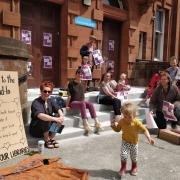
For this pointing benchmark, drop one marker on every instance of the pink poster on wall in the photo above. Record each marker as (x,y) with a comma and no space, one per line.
(47,62)
(26,36)
(47,39)
(111,45)
(110,64)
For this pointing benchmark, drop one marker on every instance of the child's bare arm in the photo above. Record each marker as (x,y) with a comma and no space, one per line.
(116,127)
(151,141)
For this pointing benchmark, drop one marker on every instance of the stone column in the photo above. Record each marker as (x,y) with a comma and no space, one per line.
(13,57)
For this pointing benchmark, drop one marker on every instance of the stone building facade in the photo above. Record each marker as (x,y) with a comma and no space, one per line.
(136,37)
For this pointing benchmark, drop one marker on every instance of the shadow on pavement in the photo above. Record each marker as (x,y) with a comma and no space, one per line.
(105,174)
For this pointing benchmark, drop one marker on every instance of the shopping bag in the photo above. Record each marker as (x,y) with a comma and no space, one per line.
(151,124)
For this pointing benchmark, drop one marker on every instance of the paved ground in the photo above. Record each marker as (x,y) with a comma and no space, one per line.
(99,155)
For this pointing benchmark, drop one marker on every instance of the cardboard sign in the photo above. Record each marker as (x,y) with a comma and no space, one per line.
(12,135)
(170,136)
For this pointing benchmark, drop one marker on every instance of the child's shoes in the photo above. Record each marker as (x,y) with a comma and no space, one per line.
(122,171)
(134,169)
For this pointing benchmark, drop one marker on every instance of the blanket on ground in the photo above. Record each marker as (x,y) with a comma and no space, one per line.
(38,167)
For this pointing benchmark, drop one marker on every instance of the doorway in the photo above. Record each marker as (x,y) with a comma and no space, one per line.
(40,30)
(111,45)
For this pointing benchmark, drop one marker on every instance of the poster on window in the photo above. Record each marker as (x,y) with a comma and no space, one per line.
(110,64)
(47,62)
(12,133)
(26,36)
(87,72)
(98,59)
(111,45)
(47,39)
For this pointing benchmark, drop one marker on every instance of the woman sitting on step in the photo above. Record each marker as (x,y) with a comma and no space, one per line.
(107,96)
(42,110)
(76,100)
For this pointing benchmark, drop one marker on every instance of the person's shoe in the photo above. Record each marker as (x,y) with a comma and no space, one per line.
(87,128)
(49,145)
(134,169)
(122,171)
(86,133)
(54,143)
(173,126)
(98,127)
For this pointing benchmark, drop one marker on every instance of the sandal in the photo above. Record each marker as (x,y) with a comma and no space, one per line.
(54,143)
(49,145)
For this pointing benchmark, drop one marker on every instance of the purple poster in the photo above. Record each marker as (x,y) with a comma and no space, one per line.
(26,36)
(97,57)
(110,64)
(87,72)
(47,62)
(111,45)
(47,39)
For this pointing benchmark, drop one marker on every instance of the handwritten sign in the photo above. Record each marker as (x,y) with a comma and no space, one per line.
(12,135)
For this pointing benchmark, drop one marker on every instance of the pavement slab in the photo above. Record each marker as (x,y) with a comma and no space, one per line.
(100,156)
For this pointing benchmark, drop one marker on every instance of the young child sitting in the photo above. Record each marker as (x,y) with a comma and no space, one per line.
(130,127)
(123,81)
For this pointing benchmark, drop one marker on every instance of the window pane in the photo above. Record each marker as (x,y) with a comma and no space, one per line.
(106,2)
(157,45)
(159,21)
(114,3)
(120,4)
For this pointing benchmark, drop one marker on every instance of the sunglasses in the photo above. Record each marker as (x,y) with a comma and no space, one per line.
(49,92)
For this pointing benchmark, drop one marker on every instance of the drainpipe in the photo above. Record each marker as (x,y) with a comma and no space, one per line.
(153,20)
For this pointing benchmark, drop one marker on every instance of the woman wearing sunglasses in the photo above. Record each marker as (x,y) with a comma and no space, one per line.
(42,116)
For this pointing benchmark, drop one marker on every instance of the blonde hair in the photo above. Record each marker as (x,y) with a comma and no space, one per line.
(129,109)
(172,58)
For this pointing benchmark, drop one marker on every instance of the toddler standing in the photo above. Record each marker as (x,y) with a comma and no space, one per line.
(130,127)
(87,74)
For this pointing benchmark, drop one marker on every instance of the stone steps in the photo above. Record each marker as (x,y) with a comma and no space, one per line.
(73,123)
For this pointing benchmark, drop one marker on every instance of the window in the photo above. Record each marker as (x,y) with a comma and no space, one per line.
(142,46)
(115,3)
(159,35)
